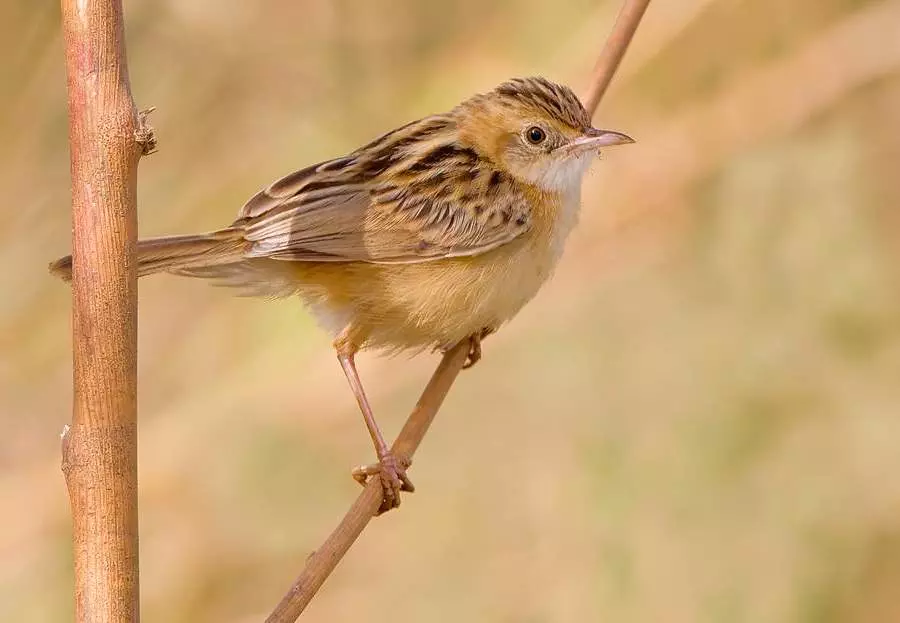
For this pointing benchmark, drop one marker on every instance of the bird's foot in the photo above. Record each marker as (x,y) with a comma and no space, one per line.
(392,472)
(474,351)
(475,347)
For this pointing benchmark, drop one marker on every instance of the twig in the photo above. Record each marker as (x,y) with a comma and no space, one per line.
(99,449)
(324,560)
(608,62)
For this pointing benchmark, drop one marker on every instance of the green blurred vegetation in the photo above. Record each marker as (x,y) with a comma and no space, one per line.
(697,420)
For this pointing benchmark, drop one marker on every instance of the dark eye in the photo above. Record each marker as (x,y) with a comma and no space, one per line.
(535,135)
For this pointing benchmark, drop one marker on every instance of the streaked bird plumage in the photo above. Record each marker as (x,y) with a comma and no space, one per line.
(433,233)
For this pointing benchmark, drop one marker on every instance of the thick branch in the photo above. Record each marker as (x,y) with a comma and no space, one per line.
(100,447)
(322,562)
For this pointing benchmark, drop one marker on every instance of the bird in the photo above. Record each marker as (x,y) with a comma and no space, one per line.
(434,233)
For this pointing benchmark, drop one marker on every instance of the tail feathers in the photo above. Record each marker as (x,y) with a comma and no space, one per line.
(176,253)
(252,277)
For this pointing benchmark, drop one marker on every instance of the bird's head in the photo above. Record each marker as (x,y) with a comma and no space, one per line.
(535,130)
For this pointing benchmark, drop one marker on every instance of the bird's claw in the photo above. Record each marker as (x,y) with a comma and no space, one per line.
(392,472)
(474,355)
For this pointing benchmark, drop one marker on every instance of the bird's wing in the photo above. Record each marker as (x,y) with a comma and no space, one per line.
(406,197)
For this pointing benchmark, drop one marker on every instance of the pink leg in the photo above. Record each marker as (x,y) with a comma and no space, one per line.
(392,470)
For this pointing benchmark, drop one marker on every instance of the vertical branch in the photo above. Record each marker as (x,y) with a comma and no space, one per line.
(99,449)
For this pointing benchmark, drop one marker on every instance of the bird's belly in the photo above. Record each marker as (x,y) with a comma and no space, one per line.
(446,301)
(409,306)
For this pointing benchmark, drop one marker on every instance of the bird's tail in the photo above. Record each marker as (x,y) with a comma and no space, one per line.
(177,253)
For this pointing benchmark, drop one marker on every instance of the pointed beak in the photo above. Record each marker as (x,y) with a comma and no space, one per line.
(593,140)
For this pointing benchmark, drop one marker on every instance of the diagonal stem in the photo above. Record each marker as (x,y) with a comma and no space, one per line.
(323,561)
(608,62)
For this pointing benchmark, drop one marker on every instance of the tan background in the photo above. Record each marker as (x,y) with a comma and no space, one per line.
(696,421)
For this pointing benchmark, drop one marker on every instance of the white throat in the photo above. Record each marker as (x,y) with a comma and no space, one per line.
(564,175)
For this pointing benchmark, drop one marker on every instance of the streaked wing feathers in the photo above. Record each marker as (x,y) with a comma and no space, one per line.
(411,195)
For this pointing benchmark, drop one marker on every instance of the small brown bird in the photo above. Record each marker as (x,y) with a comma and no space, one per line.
(437,232)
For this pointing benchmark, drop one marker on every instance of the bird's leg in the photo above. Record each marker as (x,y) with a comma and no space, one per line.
(475,347)
(391,469)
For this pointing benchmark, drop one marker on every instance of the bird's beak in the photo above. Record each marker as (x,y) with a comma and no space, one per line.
(593,139)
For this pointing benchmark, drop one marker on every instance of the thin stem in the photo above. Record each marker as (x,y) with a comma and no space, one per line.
(324,560)
(616,45)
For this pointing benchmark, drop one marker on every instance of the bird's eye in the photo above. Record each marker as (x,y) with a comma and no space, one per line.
(535,135)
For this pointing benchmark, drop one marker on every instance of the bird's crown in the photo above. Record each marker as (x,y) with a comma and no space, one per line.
(557,101)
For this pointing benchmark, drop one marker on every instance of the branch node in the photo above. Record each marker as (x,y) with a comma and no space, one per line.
(145,135)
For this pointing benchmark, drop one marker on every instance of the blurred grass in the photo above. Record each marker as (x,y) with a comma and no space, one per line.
(695,421)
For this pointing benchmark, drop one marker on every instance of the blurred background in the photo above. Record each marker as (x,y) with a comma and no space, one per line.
(696,420)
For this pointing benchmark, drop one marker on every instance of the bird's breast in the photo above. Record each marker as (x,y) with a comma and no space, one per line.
(442,301)
(487,290)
